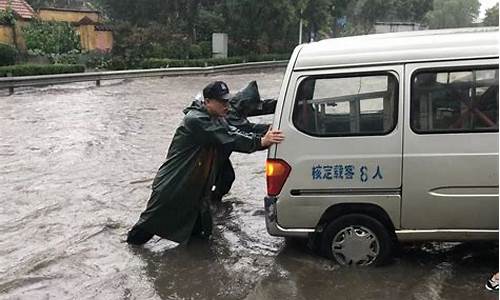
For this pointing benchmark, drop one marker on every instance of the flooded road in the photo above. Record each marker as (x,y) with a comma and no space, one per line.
(75,167)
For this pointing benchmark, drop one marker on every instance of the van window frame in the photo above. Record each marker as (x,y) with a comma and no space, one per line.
(387,73)
(463,68)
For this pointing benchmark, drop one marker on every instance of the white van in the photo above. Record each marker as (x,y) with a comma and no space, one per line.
(388,137)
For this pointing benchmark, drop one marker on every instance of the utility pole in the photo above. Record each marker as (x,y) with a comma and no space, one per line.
(300,27)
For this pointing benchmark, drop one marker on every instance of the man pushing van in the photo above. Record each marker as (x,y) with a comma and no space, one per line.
(179,205)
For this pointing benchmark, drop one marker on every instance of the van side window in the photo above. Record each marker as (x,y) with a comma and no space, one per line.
(347,105)
(454,101)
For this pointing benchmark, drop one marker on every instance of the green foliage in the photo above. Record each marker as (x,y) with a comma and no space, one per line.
(51,38)
(453,13)
(36,4)
(133,43)
(209,20)
(491,16)
(7,16)
(96,60)
(176,63)
(195,51)
(407,10)
(362,14)
(253,26)
(261,26)
(206,48)
(318,15)
(8,55)
(76,4)
(70,58)
(28,70)
(118,63)
(267,57)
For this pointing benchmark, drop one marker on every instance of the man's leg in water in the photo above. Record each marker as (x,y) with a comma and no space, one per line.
(224,181)
(138,236)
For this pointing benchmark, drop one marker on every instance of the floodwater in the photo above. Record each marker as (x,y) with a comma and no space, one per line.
(76,163)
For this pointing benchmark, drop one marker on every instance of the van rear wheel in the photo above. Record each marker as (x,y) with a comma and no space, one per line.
(357,240)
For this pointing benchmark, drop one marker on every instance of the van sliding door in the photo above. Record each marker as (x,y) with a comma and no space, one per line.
(450,157)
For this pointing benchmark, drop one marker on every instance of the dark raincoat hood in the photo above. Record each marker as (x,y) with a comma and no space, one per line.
(247,100)
(247,103)
(182,186)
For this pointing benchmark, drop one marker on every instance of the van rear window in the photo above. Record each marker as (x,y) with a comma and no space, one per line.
(451,101)
(347,105)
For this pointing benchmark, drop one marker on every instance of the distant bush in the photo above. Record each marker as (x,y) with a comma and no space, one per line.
(195,51)
(70,58)
(30,70)
(152,63)
(118,63)
(268,57)
(178,63)
(8,55)
(206,48)
(48,37)
(96,60)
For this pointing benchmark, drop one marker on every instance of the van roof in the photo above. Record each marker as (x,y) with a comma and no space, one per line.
(401,47)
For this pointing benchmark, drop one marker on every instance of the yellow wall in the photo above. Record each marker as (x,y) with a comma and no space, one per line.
(20,41)
(87,37)
(104,40)
(90,39)
(6,35)
(9,33)
(66,16)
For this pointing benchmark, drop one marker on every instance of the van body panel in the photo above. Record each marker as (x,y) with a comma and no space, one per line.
(376,160)
(448,235)
(283,91)
(433,186)
(450,178)
(403,47)
(306,211)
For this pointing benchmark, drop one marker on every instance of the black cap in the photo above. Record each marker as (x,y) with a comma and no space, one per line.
(217,90)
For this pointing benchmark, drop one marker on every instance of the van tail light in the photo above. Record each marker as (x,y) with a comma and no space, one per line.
(277,171)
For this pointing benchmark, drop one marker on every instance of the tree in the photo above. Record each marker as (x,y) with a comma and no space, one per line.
(208,22)
(453,13)
(491,16)
(51,37)
(318,17)
(36,4)
(361,15)
(260,26)
(408,10)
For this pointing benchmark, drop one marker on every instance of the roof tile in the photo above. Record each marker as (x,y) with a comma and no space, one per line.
(21,7)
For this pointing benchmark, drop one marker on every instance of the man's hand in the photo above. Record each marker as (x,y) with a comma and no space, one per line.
(271,137)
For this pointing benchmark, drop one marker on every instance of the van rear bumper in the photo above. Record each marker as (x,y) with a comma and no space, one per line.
(272,226)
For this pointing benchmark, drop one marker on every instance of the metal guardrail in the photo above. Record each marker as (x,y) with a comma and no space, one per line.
(25,81)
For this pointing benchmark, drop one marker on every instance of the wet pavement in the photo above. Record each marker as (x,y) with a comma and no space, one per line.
(76,163)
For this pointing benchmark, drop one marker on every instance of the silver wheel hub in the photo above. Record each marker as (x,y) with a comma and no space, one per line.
(355,245)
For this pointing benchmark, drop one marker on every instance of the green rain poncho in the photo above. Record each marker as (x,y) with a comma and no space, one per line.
(246,103)
(182,186)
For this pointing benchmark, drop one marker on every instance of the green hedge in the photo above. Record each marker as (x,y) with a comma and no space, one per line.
(8,55)
(172,63)
(27,70)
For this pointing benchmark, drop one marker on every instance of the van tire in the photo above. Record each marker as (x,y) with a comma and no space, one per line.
(371,237)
